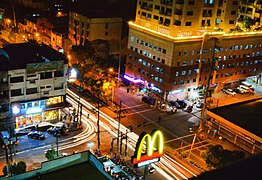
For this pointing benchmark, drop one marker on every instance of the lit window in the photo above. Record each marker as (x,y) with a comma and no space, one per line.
(177,73)
(183,73)
(132,38)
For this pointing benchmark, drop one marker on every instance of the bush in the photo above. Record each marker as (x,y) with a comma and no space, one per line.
(51,154)
(16,168)
(217,157)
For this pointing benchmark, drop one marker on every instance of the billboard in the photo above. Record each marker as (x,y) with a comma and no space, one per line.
(153,151)
(45,66)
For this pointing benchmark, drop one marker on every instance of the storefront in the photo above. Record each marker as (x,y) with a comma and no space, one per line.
(34,112)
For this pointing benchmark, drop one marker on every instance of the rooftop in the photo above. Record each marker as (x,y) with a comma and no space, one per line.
(17,56)
(246,115)
(79,171)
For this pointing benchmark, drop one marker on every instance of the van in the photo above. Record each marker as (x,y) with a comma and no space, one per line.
(250,86)
(244,88)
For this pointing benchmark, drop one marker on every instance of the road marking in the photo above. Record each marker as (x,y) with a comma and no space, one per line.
(136,112)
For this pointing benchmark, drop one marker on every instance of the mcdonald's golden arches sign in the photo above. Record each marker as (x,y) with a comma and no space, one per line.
(153,151)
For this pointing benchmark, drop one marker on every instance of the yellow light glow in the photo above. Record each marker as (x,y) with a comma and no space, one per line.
(132,24)
(36,34)
(8,20)
(111,69)
(150,141)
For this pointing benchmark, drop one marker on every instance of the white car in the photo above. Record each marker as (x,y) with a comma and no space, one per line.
(229,91)
(243,88)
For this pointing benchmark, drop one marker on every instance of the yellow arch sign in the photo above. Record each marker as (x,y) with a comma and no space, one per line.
(154,148)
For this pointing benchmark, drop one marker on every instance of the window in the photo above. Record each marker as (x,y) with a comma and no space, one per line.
(183,73)
(31,91)
(16,92)
(156,17)
(17,79)
(182,81)
(189,13)
(106,26)
(157,7)
(191,2)
(164,51)
(189,71)
(186,53)
(231,21)
(177,73)
(59,73)
(233,12)
(46,75)
(163,61)
(188,23)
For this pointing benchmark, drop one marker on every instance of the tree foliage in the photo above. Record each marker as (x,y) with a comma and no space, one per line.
(51,154)
(92,70)
(217,157)
(16,168)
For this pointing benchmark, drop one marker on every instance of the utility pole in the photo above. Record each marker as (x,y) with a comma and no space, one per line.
(98,120)
(208,83)
(118,129)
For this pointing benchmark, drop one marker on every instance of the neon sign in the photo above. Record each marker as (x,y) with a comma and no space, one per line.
(152,154)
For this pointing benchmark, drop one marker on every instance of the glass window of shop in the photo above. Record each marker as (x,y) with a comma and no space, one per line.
(23,121)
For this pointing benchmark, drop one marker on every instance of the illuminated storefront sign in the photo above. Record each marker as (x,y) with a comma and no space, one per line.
(154,149)
(28,107)
(73,75)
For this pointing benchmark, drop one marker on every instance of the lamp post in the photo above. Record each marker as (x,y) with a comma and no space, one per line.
(208,82)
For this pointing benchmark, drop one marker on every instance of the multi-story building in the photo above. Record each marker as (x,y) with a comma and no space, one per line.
(251,10)
(33,84)
(92,27)
(169,61)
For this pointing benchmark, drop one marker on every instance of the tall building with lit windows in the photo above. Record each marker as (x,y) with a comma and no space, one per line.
(173,42)
(32,85)
(251,10)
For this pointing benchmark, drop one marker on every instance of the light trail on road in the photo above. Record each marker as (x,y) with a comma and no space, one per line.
(174,169)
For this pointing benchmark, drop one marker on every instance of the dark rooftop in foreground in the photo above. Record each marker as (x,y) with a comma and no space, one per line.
(80,171)
(17,56)
(247,115)
(249,168)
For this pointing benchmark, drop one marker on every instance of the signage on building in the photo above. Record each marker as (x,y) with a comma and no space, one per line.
(45,66)
(28,107)
(154,148)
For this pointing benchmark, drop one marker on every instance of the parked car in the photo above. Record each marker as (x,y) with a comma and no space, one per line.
(243,88)
(36,135)
(189,108)
(229,91)
(148,100)
(182,103)
(57,130)
(238,90)
(174,104)
(168,108)
(250,86)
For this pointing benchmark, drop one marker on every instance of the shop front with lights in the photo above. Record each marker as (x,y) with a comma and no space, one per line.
(34,112)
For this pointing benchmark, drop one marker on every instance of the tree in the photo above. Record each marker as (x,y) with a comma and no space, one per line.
(51,154)
(217,157)
(16,168)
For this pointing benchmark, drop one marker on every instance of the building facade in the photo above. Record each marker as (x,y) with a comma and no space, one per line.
(34,84)
(169,62)
(251,10)
(82,28)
